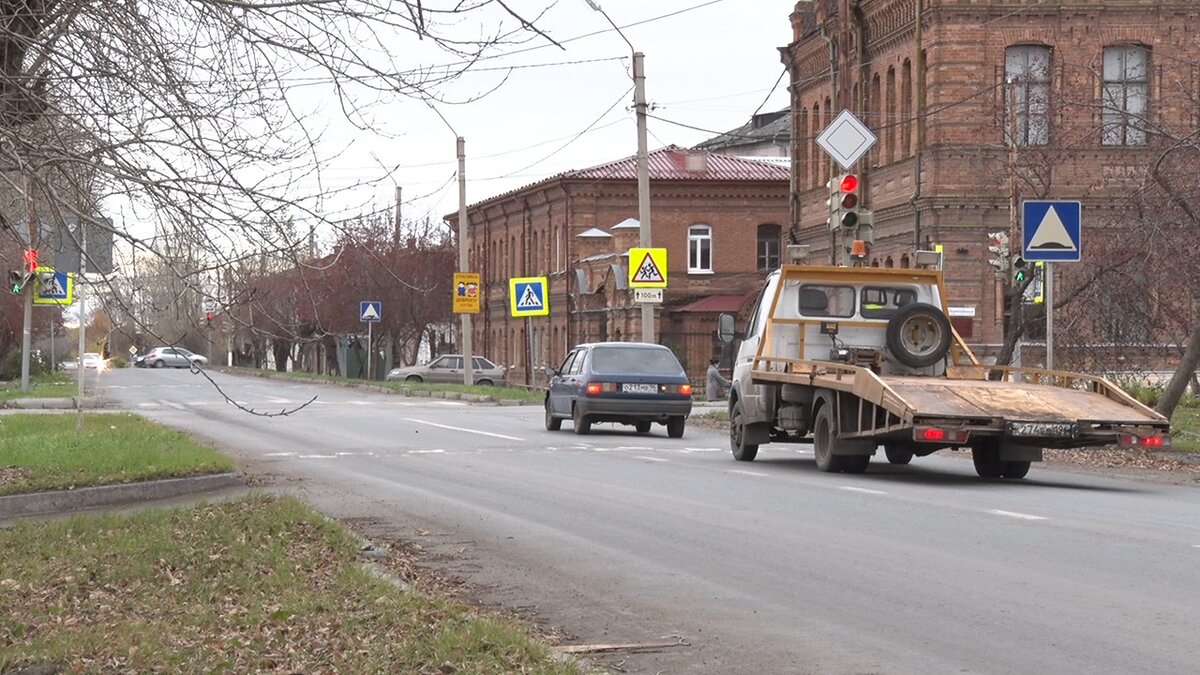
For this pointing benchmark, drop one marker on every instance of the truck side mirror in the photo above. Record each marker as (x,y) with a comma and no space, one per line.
(726,327)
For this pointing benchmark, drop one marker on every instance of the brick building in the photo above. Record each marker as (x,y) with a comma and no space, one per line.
(987,103)
(720,218)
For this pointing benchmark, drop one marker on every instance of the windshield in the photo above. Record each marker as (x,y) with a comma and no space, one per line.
(635,361)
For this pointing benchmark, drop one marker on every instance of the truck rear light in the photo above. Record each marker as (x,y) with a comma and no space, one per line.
(685,389)
(940,435)
(1152,441)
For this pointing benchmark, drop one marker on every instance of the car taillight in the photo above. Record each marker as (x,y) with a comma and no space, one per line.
(594,388)
(1153,441)
(940,435)
(685,389)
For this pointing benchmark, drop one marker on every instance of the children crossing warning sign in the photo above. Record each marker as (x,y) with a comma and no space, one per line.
(528,296)
(647,268)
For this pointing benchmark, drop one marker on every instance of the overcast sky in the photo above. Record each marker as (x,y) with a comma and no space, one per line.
(709,64)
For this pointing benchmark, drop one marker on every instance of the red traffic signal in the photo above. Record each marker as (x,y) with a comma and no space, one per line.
(849,200)
(208,315)
(30,256)
(849,183)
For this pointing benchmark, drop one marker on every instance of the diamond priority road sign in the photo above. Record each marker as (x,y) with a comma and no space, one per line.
(846,139)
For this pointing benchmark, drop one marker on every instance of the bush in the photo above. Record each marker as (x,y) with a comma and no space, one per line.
(10,365)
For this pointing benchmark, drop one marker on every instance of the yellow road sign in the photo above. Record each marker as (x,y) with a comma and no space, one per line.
(53,288)
(647,268)
(466,293)
(529,296)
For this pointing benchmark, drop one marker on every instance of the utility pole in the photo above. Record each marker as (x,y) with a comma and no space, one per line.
(396,227)
(643,163)
(643,170)
(464,235)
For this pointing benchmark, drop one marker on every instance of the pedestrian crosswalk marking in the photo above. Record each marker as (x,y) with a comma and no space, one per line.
(648,272)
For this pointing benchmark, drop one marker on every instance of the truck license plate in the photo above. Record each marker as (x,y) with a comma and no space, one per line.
(1042,429)
(639,388)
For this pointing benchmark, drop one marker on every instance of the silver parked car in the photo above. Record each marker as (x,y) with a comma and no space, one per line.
(174,357)
(448,368)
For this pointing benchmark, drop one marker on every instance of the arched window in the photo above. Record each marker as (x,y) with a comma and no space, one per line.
(700,249)
(1027,95)
(889,119)
(906,109)
(768,247)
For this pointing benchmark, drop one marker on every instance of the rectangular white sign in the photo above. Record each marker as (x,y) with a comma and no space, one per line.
(648,295)
(961,311)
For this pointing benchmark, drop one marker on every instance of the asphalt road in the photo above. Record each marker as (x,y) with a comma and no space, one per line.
(763,567)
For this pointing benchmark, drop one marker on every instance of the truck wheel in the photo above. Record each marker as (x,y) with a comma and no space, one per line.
(552,422)
(897,454)
(1016,469)
(855,463)
(742,451)
(918,335)
(824,440)
(583,425)
(987,461)
(675,427)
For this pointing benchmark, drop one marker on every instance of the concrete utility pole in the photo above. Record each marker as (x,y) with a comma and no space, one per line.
(464,235)
(643,163)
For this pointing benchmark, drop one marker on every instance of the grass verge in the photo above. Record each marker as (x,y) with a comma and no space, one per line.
(260,584)
(508,393)
(1185,429)
(58,384)
(43,452)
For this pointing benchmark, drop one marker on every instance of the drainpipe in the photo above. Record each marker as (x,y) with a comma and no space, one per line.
(919,66)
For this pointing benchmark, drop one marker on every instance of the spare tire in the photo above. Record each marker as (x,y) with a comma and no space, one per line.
(918,335)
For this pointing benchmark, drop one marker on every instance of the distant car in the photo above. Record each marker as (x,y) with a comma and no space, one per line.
(634,383)
(94,361)
(448,368)
(174,357)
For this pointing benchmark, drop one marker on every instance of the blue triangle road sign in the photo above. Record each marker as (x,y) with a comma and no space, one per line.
(1051,231)
(370,311)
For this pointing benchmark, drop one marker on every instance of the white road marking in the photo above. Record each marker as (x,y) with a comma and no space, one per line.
(651,459)
(361,402)
(628,447)
(280,454)
(862,490)
(436,451)
(355,454)
(1014,514)
(174,405)
(317,456)
(469,431)
(749,473)
(276,399)
(701,450)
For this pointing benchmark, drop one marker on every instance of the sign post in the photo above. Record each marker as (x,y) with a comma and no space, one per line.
(1051,231)
(370,312)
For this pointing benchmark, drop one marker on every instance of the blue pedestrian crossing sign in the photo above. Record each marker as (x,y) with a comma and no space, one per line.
(1050,231)
(370,311)
(52,287)
(528,296)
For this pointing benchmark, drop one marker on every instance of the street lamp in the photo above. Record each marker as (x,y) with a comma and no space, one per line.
(643,166)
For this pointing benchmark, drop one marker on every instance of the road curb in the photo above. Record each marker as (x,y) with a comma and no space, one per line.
(55,501)
(484,399)
(59,403)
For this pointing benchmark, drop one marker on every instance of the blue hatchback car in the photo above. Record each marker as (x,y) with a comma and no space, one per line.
(634,383)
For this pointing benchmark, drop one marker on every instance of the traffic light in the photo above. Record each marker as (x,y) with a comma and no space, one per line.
(1020,271)
(848,202)
(998,246)
(16,281)
(30,256)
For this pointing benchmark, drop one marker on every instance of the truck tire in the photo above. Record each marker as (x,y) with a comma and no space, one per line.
(1016,469)
(918,335)
(825,439)
(987,461)
(582,424)
(897,454)
(742,451)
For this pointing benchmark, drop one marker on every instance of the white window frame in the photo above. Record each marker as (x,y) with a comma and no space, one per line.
(1027,94)
(700,244)
(1125,95)
(766,260)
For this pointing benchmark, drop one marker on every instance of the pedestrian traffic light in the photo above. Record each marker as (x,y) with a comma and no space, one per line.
(848,202)
(1020,271)
(16,281)
(30,256)
(998,246)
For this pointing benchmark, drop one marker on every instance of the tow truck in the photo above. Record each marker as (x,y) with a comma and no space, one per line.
(854,358)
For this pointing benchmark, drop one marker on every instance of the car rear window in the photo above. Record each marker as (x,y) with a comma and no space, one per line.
(634,361)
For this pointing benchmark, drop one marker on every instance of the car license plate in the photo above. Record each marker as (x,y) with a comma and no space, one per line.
(1042,429)
(639,388)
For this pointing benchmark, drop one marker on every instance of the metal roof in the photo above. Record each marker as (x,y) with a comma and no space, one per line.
(716,303)
(672,163)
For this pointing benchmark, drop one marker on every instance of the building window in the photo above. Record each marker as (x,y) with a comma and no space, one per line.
(1027,95)
(699,249)
(768,247)
(1126,90)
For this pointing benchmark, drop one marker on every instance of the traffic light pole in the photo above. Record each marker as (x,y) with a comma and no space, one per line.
(464,234)
(26,338)
(1049,304)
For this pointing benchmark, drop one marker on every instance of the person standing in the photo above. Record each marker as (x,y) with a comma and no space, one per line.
(716,384)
